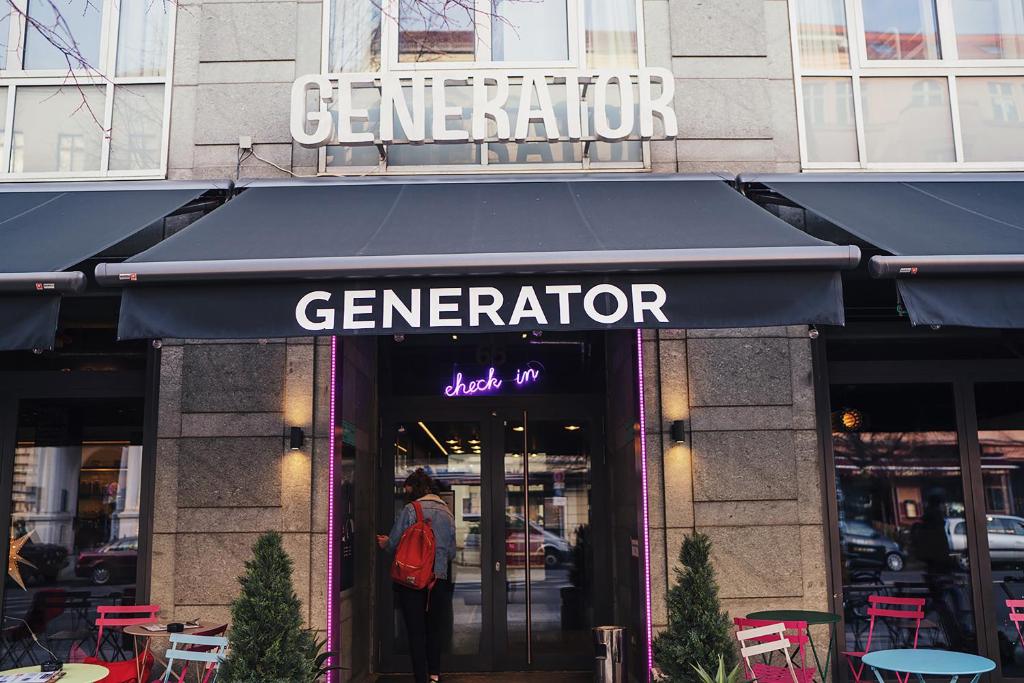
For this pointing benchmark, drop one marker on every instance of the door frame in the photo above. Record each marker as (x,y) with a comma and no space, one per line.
(490,412)
(16,386)
(961,376)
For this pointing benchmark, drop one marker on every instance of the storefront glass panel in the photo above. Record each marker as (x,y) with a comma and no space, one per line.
(75,521)
(901,513)
(1000,408)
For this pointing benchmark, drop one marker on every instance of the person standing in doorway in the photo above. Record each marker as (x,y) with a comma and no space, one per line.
(423,609)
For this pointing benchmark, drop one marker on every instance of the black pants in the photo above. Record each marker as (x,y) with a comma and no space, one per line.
(425,625)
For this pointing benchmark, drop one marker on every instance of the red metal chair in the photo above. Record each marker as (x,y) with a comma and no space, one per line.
(1017,616)
(137,668)
(794,633)
(890,609)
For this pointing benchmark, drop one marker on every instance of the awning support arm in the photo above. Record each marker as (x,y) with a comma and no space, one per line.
(45,282)
(895,267)
(412,265)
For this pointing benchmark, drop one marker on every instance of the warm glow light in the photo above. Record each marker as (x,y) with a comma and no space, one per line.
(852,419)
(572,428)
(519,428)
(474,442)
(432,437)
(452,442)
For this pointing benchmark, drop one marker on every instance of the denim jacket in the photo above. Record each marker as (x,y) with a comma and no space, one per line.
(441,521)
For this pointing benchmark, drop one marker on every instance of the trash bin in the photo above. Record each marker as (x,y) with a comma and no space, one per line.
(609,654)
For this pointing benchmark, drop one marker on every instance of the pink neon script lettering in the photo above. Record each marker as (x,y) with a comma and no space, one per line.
(476,386)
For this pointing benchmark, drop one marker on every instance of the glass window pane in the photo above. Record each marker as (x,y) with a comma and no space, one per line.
(992,117)
(439,153)
(624,152)
(355,36)
(901,513)
(989,29)
(75,504)
(5,27)
(529,31)
(57,129)
(901,29)
(136,134)
(821,26)
(536,152)
(75,26)
(907,120)
(1000,409)
(611,34)
(435,31)
(142,38)
(829,125)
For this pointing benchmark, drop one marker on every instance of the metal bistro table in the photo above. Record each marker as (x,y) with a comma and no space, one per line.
(73,673)
(923,663)
(811,618)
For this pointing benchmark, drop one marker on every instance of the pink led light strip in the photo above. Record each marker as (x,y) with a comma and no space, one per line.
(643,481)
(333,643)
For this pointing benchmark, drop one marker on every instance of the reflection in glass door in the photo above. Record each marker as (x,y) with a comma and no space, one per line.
(1000,412)
(548,556)
(901,512)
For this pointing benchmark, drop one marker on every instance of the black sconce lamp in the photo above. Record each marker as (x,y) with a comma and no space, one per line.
(295,438)
(678,431)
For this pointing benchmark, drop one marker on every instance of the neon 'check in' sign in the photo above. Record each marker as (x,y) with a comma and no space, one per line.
(490,382)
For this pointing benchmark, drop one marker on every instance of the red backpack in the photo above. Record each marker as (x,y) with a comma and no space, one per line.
(414,558)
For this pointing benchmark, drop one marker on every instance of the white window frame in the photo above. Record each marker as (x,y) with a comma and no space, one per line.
(575,17)
(102,75)
(951,67)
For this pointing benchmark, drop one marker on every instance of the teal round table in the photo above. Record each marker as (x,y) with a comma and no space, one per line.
(923,663)
(811,618)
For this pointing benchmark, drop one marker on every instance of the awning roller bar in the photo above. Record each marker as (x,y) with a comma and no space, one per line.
(323,268)
(894,267)
(45,282)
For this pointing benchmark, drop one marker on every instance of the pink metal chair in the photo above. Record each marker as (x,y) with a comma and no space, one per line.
(1017,616)
(907,612)
(763,642)
(118,616)
(793,633)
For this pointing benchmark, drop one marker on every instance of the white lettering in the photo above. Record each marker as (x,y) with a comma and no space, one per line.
(563,292)
(437,308)
(476,308)
(392,304)
(442,112)
(485,108)
(660,106)
(325,315)
(621,304)
(654,306)
(545,112)
(319,115)
(392,102)
(527,306)
(352,309)
(347,113)
(602,127)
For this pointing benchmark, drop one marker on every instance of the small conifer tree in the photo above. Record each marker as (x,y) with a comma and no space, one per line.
(268,642)
(699,632)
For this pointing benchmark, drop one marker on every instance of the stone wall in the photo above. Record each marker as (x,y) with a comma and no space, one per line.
(732,59)
(749,475)
(224,472)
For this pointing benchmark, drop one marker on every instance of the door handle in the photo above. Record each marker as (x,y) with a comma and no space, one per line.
(497,567)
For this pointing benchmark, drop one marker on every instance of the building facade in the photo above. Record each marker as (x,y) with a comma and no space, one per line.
(826,463)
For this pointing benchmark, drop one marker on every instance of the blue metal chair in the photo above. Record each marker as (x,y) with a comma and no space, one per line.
(210,650)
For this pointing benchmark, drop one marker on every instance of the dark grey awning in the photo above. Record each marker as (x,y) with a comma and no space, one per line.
(956,241)
(244,270)
(45,230)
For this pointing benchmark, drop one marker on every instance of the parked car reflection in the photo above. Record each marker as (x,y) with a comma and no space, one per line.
(864,545)
(1005,539)
(115,560)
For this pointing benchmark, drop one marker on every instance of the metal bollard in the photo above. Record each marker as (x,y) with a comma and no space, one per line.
(609,655)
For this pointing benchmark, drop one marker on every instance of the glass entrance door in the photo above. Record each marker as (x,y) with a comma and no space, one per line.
(518,484)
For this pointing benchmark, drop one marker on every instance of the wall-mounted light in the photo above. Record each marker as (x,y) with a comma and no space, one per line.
(678,431)
(295,438)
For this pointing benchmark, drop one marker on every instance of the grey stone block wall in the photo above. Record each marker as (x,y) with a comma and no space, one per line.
(225,473)
(749,475)
(235,61)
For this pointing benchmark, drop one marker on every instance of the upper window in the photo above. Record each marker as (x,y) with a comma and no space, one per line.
(84,88)
(435,35)
(911,84)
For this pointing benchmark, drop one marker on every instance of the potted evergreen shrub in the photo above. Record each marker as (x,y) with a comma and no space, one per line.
(699,633)
(268,641)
